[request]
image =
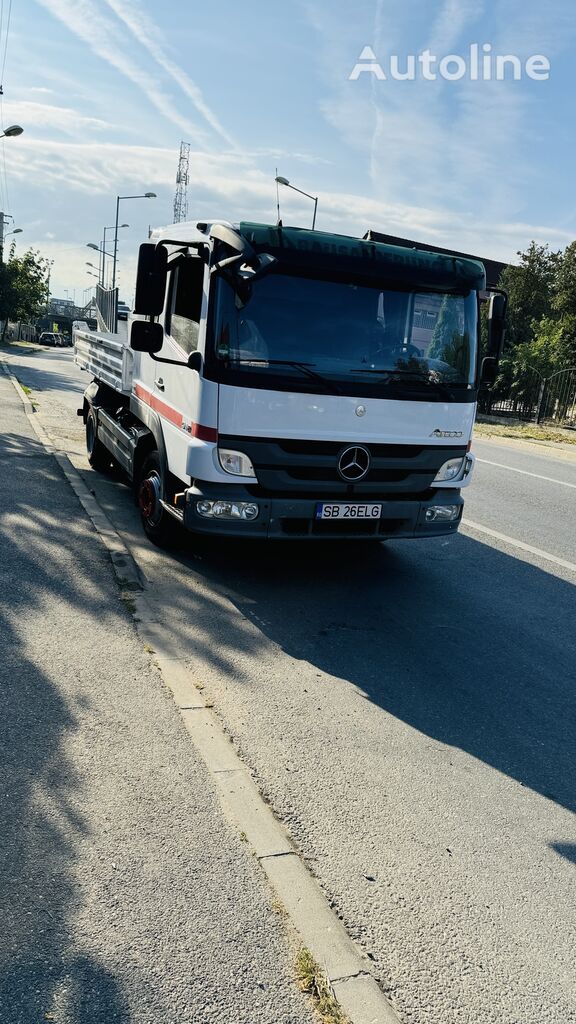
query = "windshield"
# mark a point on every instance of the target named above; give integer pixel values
(344, 333)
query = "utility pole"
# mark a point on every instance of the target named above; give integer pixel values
(3, 222)
(181, 194)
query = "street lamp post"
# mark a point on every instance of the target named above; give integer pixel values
(11, 131)
(110, 228)
(284, 181)
(145, 195)
(50, 265)
(92, 245)
(4, 218)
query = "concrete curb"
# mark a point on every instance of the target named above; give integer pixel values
(347, 969)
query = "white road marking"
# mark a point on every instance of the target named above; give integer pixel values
(512, 469)
(520, 544)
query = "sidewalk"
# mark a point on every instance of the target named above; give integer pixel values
(125, 896)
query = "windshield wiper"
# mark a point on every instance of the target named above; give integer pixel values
(442, 386)
(305, 368)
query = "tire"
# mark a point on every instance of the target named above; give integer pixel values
(98, 456)
(158, 525)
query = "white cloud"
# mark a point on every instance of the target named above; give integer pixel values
(464, 144)
(85, 19)
(231, 188)
(454, 16)
(45, 115)
(148, 35)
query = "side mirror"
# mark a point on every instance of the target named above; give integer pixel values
(151, 279)
(195, 361)
(488, 370)
(146, 336)
(496, 324)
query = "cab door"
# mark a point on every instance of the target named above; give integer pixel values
(178, 390)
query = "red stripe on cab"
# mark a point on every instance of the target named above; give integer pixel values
(172, 414)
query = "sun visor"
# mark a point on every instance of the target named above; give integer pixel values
(309, 252)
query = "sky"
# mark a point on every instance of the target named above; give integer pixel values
(107, 89)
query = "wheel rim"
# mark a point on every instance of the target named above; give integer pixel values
(149, 498)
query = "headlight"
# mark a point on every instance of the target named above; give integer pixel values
(227, 509)
(236, 463)
(451, 470)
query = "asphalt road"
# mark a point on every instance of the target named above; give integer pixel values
(411, 715)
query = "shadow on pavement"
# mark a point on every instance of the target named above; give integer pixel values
(567, 850)
(467, 644)
(21, 365)
(42, 970)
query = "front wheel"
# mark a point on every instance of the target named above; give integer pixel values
(98, 456)
(158, 525)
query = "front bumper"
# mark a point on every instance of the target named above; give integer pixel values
(294, 518)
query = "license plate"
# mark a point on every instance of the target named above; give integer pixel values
(348, 510)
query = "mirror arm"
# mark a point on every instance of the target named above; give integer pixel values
(225, 263)
(173, 362)
(194, 357)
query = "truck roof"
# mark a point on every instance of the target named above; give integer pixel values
(328, 251)
(494, 268)
(403, 265)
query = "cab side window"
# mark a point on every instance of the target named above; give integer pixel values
(185, 303)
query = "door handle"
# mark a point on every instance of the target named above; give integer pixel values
(159, 383)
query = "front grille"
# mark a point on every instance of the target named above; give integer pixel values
(316, 473)
(290, 468)
(322, 448)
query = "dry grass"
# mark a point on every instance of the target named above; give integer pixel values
(313, 981)
(525, 431)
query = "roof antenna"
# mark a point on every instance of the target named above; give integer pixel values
(278, 220)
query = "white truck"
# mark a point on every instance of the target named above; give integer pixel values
(278, 382)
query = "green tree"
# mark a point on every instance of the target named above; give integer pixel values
(564, 306)
(23, 288)
(530, 286)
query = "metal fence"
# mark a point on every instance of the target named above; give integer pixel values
(535, 398)
(107, 308)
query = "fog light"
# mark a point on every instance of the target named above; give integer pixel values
(204, 507)
(442, 513)
(250, 511)
(246, 510)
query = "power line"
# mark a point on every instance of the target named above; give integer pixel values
(5, 41)
(3, 69)
(3, 168)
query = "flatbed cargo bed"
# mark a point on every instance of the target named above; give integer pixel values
(107, 357)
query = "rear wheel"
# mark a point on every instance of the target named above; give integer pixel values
(159, 526)
(98, 456)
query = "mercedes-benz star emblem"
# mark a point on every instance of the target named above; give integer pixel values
(353, 464)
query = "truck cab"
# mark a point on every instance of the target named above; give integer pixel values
(299, 384)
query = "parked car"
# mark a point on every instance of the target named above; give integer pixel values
(49, 338)
(123, 310)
